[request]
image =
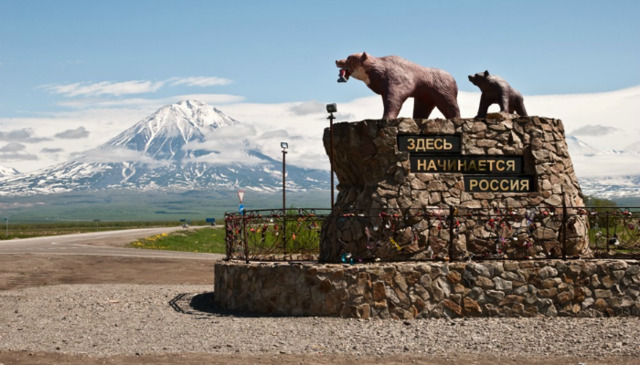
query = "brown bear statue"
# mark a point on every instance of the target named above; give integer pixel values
(496, 90)
(397, 79)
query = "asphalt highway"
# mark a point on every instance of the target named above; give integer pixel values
(99, 244)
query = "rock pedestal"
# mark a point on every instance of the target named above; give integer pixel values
(409, 176)
(573, 288)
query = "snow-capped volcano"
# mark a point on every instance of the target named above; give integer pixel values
(188, 145)
(193, 146)
(163, 134)
(579, 147)
(619, 183)
(7, 171)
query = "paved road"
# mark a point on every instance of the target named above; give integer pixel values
(99, 244)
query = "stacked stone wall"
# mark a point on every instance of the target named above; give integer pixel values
(577, 288)
(375, 175)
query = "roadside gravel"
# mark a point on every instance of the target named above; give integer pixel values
(122, 319)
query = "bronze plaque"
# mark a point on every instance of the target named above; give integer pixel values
(498, 184)
(422, 143)
(467, 164)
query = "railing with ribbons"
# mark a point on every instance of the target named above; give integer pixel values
(449, 233)
(274, 234)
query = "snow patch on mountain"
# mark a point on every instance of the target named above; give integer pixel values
(611, 187)
(634, 147)
(579, 147)
(8, 171)
(618, 181)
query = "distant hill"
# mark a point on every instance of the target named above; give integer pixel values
(192, 149)
(130, 205)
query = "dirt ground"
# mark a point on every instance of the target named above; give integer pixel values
(19, 271)
(198, 359)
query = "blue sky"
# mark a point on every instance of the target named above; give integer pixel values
(277, 51)
(59, 57)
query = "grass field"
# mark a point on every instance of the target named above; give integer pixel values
(194, 240)
(125, 205)
(208, 240)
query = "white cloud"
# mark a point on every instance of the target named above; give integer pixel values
(105, 88)
(634, 147)
(148, 104)
(13, 147)
(225, 157)
(14, 151)
(225, 146)
(606, 164)
(132, 87)
(310, 107)
(201, 81)
(614, 111)
(20, 157)
(116, 155)
(77, 133)
(302, 125)
(21, 135)
(617, 109)
(51, 150)
(593, 130)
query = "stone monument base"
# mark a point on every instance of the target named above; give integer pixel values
(576, 288)
(417, 169)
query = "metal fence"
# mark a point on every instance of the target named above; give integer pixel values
(274, 234)
(488, 233)
(615, 230)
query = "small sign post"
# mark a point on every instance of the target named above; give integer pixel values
(241, 198)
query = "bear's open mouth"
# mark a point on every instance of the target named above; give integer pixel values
(344, 75)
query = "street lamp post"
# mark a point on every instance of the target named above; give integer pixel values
(284, 146)
(331, 108)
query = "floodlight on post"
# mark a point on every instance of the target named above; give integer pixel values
(284, 146)
(331, 108)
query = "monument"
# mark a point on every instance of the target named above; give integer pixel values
(422, 201)
(397, 79)
(496, 90)
(454, 187)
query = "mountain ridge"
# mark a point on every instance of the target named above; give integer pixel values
(180, 147)
(8, 171)
(156, 154)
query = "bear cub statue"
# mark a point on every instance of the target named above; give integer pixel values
(496, 90)
(397, 79)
